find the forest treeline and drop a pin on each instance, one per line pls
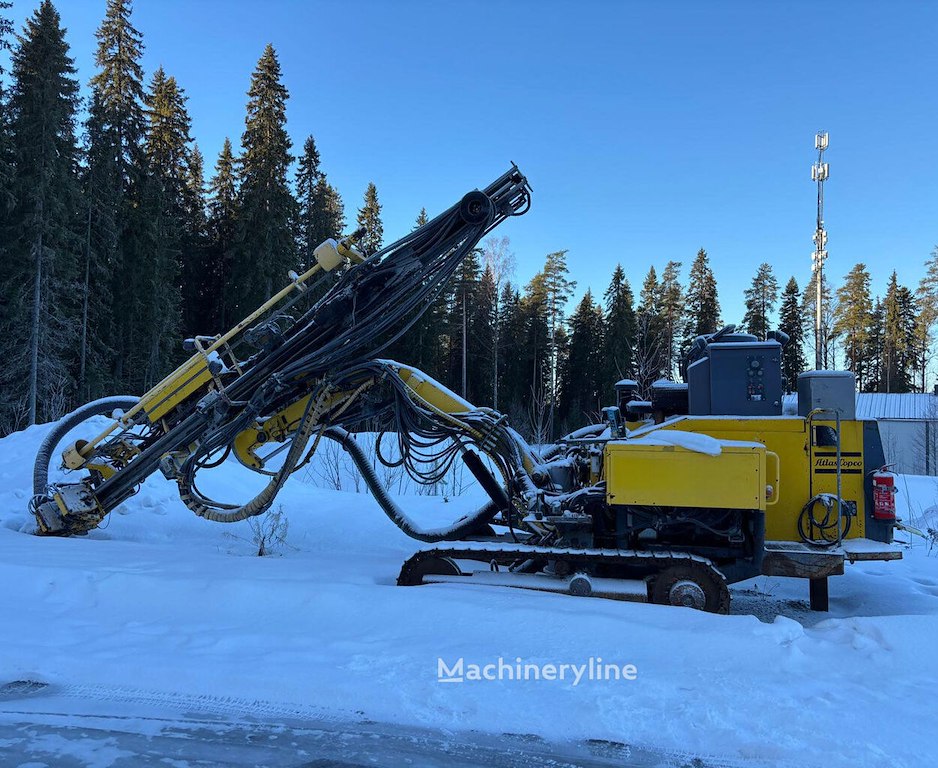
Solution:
(116, 243)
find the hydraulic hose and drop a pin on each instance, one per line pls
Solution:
(829, 524)
(72, 420)
(460, 529)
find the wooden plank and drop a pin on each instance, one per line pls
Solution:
(855, 557)
(802, 563)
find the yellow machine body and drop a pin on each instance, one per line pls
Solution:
(805, 469)
(742, 476)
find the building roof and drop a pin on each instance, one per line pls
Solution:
(881, 405)
(876, 405)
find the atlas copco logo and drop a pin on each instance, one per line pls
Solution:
(594, 669)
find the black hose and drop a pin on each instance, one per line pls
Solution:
(76, 417)
(830, 524)
(459, 530)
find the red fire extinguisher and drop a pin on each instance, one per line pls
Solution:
(884, 494)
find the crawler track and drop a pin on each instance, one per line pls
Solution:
(632, 564)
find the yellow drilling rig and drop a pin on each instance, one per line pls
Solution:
(668, 500)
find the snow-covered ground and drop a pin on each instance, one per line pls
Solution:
(161, 606)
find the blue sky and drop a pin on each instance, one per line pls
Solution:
(648, 130)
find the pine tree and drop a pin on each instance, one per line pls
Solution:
(582, 384)
(922, 340)
(791, 322)
(702, 306)
(558, 289)
(761, 297)
(221, 232)
(319, 205)
(618, 332)
(38, 284)
(264, 250)
(116, 142)
(500, 261)
(927, 297)
(369, 217)
(852, 320)
(672, 313)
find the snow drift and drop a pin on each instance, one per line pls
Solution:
(161, 601)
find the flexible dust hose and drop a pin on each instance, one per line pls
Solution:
(234, 513)
(460, 529)
(47, 447)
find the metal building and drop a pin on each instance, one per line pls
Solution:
(908, 424)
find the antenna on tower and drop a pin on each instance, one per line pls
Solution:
(819, 173)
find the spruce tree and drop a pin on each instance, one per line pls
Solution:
(264, 251)
(118, 227)
(221, 232)
(197, 282)
(582, 383)
(459, 327)
(423, 344)
(165, 207)
(852, 321)
(898, 328)
(875, 356)
(6, 186)
(6, 164)
(99, 258)
(38, 284)
(618, 332)
(369, 217)
(701, 304)
(308, 234)
(761, 297)
(536, 353)
(908, 314)
(319, 205)
(511, 366)
(482, 340)
(672, 313)
(6, 31)
(791, 322)
(648, 355)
